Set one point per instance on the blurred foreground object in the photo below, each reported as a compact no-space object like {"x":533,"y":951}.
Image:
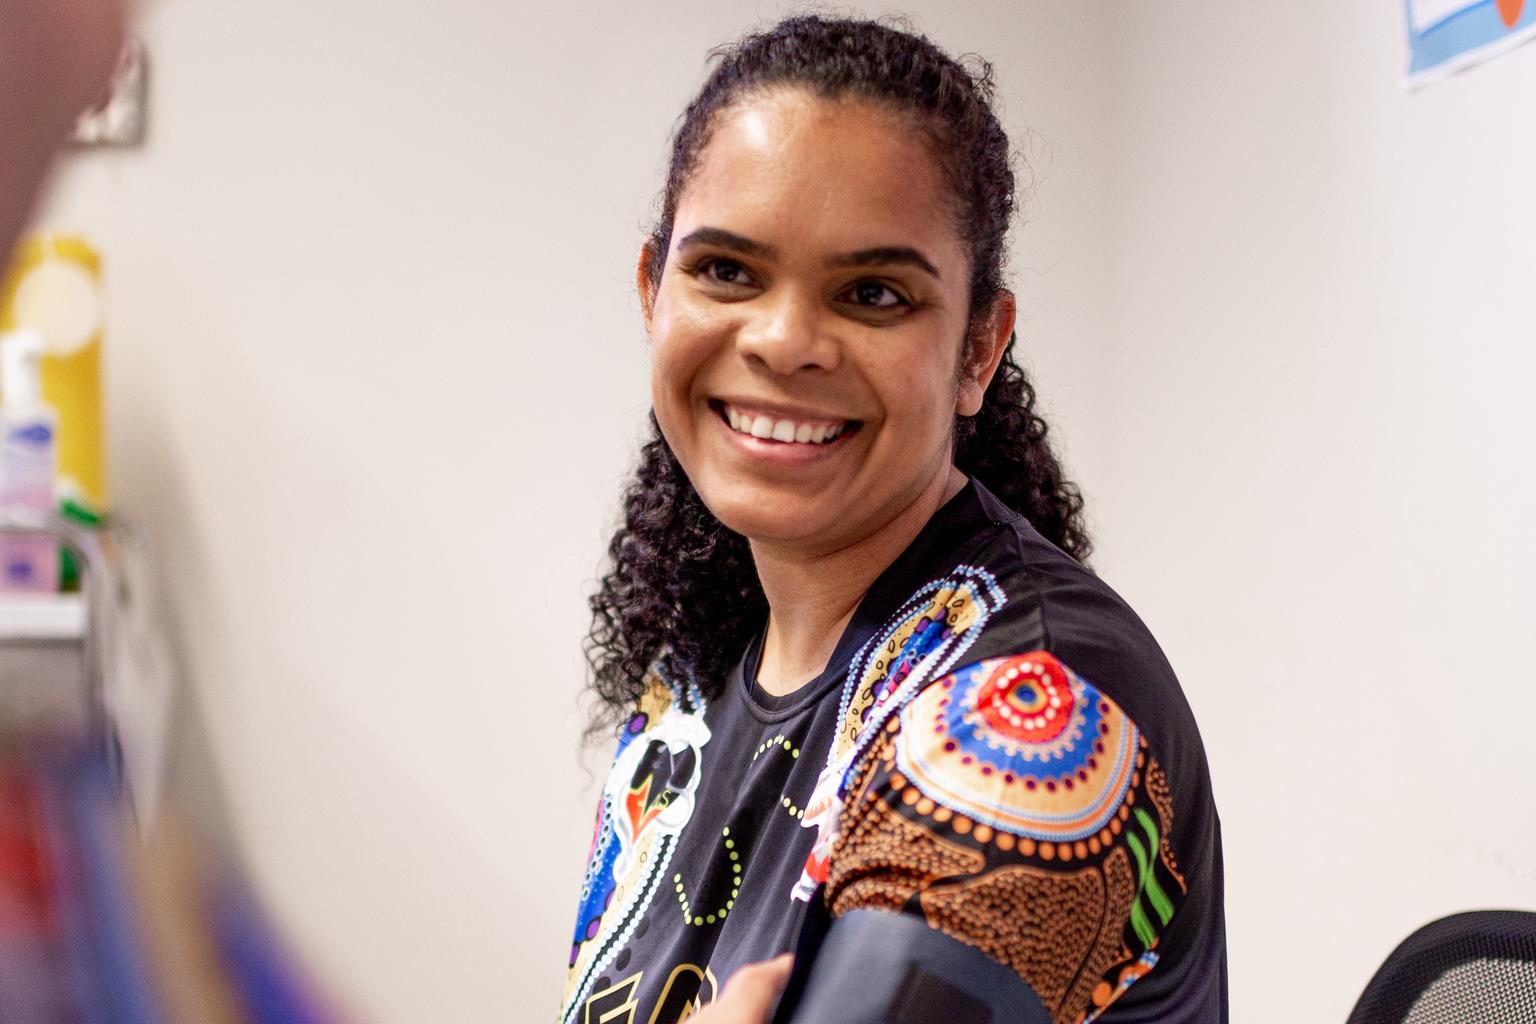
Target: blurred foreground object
{"x":57,"y":58}
{"x":101,"y":926}
{"x":112,"y":910}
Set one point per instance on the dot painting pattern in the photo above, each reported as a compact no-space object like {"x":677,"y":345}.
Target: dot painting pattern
{"x":779,"y":742}
{"x":647,"y":802}
{"x":921,"y":641}
{"x":1024,"y":723}
{"x":924,"y":638}
{"x":698,"y":917}
{"x":1020,"y":810}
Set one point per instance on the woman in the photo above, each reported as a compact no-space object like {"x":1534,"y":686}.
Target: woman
{"x":859,"y":662}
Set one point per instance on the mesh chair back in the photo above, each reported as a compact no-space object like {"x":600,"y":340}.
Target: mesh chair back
{"x":1475,"y":968}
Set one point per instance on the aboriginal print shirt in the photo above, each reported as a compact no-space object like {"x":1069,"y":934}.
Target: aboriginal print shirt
{"x":997,"y":746}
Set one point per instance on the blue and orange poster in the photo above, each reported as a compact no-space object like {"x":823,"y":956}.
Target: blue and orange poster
{"x":1445,"y":36}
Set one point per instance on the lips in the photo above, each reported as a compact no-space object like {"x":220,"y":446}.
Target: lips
{"x":768,"y":426}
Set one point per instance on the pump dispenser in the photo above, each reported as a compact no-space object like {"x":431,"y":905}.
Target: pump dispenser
{"x":28,"y":464}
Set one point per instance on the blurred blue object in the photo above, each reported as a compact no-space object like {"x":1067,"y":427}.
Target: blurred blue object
{"x":101,"y":925}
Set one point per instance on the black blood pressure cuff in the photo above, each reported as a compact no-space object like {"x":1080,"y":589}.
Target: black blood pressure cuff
{"x":875,"y":967}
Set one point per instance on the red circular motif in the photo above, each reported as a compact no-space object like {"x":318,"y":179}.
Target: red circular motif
{"x":1026,"y":699}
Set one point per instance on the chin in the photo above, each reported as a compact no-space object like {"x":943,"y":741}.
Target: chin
{"x":759,"y":514}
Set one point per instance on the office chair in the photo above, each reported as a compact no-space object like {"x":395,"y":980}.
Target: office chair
{"x":1473,"y":968}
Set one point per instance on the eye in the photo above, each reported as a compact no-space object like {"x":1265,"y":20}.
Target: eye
{"x":874,"y":295}
{"x":724,"y":271}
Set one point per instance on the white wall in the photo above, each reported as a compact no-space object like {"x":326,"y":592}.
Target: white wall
{"x":375,"y":374}
{"x":1320,"y":486}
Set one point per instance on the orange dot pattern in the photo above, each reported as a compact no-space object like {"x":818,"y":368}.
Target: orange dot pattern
{"x":1023,"y":744}
{"x":1058,"y":912}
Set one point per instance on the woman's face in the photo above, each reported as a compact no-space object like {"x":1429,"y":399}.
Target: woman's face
{"x":807,"y":329}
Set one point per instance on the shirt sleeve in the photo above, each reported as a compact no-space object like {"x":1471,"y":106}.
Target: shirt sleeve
{"x":1016,"y":808}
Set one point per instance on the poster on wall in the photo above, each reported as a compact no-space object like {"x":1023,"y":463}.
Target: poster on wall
{"x":1445,"y":36}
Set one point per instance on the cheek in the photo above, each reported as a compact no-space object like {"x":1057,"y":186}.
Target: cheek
{"x":920,"y":390}
{"x":675,"y":350}
{"x":683,"y":345}
{"x":666,"y":367}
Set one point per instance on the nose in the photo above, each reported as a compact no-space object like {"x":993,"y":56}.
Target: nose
{"x":789,"y":334}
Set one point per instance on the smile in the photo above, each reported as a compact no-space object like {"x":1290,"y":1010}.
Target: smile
{"x":785,"y":430}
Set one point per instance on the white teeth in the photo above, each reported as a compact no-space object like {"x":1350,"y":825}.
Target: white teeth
{"x":783,"y":431}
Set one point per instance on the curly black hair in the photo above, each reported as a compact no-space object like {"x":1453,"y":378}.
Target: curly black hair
{"x":679,"y":581}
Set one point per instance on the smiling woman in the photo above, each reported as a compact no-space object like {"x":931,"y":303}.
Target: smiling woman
{"x":812,"y":289}
{"x":858,"y":662}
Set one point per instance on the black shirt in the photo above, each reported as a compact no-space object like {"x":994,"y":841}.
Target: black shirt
{"x":997,"y":746}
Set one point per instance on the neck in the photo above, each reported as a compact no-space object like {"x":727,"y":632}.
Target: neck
{"x":812,"y":596}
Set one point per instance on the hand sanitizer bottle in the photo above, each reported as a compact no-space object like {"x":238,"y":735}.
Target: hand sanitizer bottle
{"x":29,"y":462}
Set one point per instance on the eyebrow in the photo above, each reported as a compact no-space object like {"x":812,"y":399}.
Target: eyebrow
{"x":883,"y":255}
{"x":879,"y":255}
{"x":728,"y":240}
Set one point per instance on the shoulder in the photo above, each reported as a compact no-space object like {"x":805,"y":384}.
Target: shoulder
{"x":1054,"y":604}
{"x":1016,"y":763}
{"x":1018,"y":808}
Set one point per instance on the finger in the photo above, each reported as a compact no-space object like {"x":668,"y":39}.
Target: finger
{"x":752,"y":989}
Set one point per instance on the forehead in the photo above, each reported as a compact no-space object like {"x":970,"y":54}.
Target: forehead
{"x":808,"y":174}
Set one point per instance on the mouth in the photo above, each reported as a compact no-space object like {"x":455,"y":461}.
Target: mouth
{"x":786,"y":430}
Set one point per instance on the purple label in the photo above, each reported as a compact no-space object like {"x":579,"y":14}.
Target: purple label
{"x":37,"y":433}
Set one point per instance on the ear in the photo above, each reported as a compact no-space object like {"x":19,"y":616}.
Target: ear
{"x":986,"y":345}
{"x":645,"y":285}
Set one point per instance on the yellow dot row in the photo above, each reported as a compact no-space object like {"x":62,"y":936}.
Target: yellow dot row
{"x":777,"y":741}
{"x":698,"y":920}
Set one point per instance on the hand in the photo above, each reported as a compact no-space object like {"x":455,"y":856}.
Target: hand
{"x":57,"y":58}
{"x":749,"y":995}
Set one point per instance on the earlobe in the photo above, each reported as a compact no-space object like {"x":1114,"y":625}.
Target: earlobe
{"x":988,"y":344}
